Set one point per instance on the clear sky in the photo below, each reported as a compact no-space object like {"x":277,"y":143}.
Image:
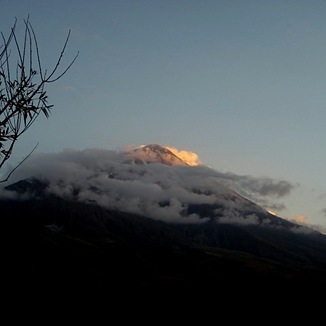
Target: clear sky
{"x":240,"y":83}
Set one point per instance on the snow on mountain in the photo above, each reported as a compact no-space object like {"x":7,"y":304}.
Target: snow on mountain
{"x":154,"y":154}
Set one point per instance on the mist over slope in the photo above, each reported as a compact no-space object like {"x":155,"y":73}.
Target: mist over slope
{"x":146,"y":221}
{"x":152,"y":181}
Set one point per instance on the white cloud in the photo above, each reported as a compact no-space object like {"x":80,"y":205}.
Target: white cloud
{"x":155,"y":190}
{"x":190,"y":158}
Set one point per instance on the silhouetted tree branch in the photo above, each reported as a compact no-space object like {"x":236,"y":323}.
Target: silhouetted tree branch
{"x":23,"y":80}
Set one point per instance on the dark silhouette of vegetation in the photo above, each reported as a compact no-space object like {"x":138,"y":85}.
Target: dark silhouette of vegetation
{"x":23,"y":81}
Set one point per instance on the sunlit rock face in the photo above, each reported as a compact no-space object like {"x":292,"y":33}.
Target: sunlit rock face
{"x":154,"y":154}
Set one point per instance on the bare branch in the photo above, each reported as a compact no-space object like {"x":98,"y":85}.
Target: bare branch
{"x":18,"y":165}
{"x":23,"y":95}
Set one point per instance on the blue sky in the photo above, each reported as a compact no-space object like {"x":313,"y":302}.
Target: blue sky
{"x":240,"y":83}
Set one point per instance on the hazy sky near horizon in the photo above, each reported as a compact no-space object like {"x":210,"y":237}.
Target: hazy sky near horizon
{"x":240,"y":83}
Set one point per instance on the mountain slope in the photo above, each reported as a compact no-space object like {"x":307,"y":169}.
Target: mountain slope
{"x":126,"y":228}
{"x":73,"y":246}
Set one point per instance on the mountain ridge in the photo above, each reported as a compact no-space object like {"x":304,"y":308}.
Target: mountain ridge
{"x":54,"y":236}
{"x":154,"y":153}
{"x":76,"y":245}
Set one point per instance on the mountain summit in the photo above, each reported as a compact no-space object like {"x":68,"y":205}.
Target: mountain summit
{"x":154,"y":153}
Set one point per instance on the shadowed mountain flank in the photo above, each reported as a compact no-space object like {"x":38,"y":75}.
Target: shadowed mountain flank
{"x":154,"y":228}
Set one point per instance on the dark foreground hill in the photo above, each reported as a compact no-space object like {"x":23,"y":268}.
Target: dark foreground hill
{"x":54,"y":247}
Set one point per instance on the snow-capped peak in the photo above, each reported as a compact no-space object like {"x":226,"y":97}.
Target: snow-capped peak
{"x":154,"y":153}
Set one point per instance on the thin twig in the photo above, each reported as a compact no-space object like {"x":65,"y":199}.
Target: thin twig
{"x":17,"y":166}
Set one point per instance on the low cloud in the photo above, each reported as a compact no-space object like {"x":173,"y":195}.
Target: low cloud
{"x":237,"y":218}
{"x":301,"y":219}
{"x":323,"y":211}
{"x":262,"y":190}
{"x":265,"y":187}
{"x":190,"y":158}
{"x":155,"y":190}
{"x":305,"y":225}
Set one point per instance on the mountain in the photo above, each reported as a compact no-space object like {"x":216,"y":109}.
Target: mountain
{"x":154,"y":153}
{"x":163,"y":230}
